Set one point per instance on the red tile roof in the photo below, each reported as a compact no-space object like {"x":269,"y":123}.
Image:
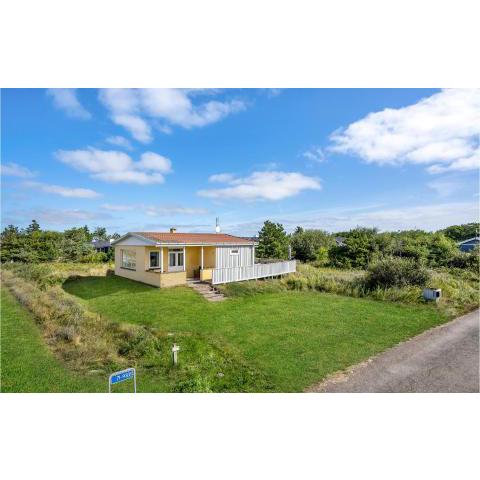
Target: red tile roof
{"x":195,"y":238}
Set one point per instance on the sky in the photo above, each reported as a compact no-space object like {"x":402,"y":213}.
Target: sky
{"x":151,"y":159}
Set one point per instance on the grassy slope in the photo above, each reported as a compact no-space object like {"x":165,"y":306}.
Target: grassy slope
{"x":295,"y":338}
{"x":26,"y":363}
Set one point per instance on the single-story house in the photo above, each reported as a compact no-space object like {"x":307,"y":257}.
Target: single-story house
{"x":165,"y":259}
{"x":102,"y":245}
{"x":469,"y":244}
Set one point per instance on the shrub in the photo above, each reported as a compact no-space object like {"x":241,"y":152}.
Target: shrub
{"x":396,"y":272}
{"x":467,"y":261}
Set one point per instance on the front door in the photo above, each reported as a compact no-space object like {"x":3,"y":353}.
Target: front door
{"x":175,"y":260}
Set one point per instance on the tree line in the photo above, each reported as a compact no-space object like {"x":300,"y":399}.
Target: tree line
{"x":34,"y":245}
{"x":356,"y":248}
{"x":360,"y":247}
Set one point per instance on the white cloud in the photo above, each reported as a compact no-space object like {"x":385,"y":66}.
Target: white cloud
{"x":118,"y":207}
{"x":156,"y":210}
{"x":470,"y":162}
{"x":314,"y":154}
{"x":54,"y":216}
{"x":66,"y":99}
{"x":63,"y":191}
{"x":221,"y":178}
{"x":264,"y":186}
{"x":114,"y":166}
{"x":444,"y":187}
{"x":119,"y":141}
{"x":153,"y":161}
{"x":15,"y":170}
{"x":442,"y":131}
{"x":138,"y":128}
{"x":134,"y":108}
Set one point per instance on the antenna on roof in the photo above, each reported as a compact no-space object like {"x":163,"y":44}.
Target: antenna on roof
{"x":217,"y":225}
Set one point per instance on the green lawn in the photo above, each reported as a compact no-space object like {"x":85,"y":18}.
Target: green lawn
{"x":26,"y":363}
{"x":292,"y":338}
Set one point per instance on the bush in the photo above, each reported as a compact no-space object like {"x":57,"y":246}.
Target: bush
{"x":466,"y":261}
{"x":396,"y":272}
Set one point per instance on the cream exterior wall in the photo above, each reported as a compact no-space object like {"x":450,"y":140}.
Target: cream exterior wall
{"x":211,"y":254}
{"x":140,"y":274}
{"x":172,"y":279}
{"x":155,"y":278}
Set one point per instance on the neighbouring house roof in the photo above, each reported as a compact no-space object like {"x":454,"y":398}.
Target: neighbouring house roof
{"x":101,"y":243}
{"x":188,"y":238}
{"x":470,"y":240}
{"x":340,"y":241}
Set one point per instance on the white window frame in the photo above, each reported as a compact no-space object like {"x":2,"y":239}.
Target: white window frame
{"x":157,"y":252}
{"x":234,"y":251}
{"x":129,"y":259}
{"x":176,"y":252}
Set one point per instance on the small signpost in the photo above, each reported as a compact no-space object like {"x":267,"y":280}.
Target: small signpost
{"x":175,"y":350}
{"x":122,"y":376}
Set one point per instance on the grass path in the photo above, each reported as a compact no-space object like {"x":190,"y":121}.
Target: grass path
{"x":26,"y":363}
{"x":294,"y":338}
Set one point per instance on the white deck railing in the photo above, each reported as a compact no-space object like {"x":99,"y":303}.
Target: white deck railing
{"x":259,"y":270}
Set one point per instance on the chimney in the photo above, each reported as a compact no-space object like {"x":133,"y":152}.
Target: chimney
{"x":217,"y":225}
{"x":173,"y":230}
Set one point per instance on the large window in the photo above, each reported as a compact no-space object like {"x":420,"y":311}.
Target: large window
{"x":129,"y":259}
{"x":154,"y":259}
{"x":175,"y":260}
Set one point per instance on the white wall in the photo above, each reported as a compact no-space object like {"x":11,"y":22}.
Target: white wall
{"x":224,"y":259}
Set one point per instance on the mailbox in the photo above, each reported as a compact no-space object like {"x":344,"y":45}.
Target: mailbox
{"x":432,"y":294}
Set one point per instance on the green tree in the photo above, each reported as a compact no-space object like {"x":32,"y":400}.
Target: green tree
{"x":76,"y":245}
{"x":310,"y":245}
{"x":359,"y":249}
{"x":100,"y":233}
{"x":273,"y":241}
{"x":441,"y":250}
{"x":462,"y":232}
{"x":33,"y":227}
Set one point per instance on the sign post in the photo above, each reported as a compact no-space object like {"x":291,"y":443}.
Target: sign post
{"x":175,"y":350}
{"x":121,"y":376}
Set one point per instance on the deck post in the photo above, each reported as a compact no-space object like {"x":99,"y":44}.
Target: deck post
{"x":161,"y":259}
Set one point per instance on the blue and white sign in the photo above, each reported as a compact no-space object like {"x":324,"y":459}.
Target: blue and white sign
{"x":121,"y":376}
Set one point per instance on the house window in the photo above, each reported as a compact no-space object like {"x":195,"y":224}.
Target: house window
{"x":154,"y":259}
{"x":175,"y":260}
{"x":234,"y":251}
{"x":129,"y":259}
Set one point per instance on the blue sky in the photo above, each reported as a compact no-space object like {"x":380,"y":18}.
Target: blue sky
{"x":136,"y":160}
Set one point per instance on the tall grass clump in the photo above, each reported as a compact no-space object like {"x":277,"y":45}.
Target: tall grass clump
{"x":45,"y":275}
{"x":79,"y":337}
{"x":396,"y":272}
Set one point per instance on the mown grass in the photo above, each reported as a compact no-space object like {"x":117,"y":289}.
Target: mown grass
{"x":286,"y":340}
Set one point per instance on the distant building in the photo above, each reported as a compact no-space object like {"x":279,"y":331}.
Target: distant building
{"x":340,"y":241}
{"x":102,"y":245}
{"x":469,"y":244}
